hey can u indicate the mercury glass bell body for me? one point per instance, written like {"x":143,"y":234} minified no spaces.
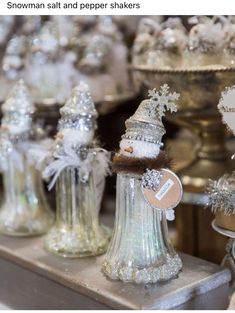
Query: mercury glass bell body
{"x":77,"y":231}
{"x":139,"y":251}
{"x":79,"y":168}
{"x":24,"y":211}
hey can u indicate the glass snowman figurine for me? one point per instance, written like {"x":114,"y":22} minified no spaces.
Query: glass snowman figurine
{"x":78,"y":168}
{"x":140,"y":250}
{"x":24,"y":211}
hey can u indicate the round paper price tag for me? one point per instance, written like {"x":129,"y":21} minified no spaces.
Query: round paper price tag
{"x":168,"y":193}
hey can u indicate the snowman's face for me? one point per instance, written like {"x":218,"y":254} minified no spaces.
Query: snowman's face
{"x":17,"y":127}
{"x":139,"y":149}
{"x":77,"y":137}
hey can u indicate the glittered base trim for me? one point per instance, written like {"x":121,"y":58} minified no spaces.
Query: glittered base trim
{"x":77,"y":243}
{"x":146,"y":275}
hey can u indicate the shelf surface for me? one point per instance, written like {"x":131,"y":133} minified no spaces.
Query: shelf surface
{"x":85,"y":277}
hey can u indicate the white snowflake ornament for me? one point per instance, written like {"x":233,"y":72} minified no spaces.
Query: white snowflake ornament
{"x":162,"y":101}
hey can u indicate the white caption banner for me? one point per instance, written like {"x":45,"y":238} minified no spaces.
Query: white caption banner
{"x":114,"y":7}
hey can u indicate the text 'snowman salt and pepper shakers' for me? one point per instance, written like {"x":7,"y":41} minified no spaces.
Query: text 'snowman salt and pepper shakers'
{"x":24,"y":211}
{"x":140,"y":250}
{"x":78,"y":168}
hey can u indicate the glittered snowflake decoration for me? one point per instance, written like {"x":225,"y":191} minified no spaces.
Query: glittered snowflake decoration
{"x":151,"y":179}
{"x":162,"y":101}
{"x":221,"y":194}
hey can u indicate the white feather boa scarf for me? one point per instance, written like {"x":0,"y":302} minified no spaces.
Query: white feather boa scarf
{"x":96,"y":162}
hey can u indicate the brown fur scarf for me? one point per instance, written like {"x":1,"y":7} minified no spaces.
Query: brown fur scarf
{"x":126,"y":164}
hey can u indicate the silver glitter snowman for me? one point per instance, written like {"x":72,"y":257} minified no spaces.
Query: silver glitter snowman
{"x":24,"y":211}
{"x":140,"y":251}
{"x":78,"y":169}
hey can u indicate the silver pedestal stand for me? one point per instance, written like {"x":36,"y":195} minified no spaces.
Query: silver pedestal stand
{"x":229,"y":259}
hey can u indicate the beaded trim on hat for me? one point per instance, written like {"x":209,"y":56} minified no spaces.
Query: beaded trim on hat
{"x":142,"y":131}
{"x":146,"y":123}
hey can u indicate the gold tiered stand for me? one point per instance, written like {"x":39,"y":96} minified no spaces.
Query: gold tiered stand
{"x":200,"y":91}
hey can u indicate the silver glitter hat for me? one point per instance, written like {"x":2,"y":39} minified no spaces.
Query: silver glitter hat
{"x":79,"y":111}
{"x":18,"y":108}
{"x":146,"y":123}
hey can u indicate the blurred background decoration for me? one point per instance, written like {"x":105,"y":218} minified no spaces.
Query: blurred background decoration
{"x":198,"y":62}
{"x":120,"y":58}
{"x":53,"y":53}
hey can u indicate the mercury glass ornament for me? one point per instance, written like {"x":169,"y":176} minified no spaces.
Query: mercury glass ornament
{"x":79,"y":170}
{"x":140,"y":250}
{"x":49,"y":68}
{"x":144,"y":41}
{"x":206,"y":41}
{"x":171,"y":42}
{"x":24,"y":211}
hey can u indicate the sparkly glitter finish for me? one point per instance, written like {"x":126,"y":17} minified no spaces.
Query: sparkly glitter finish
{"x":79,"y":169}
{"x":146,"y":123}
{"x":151,"y":179}
{"x":222,"y":194}
{"x":24,"y":211}
{"x":77,"y":232}
{"x":17,"y":110}
{"x":95,"y":54}
{"x":79,"y":111}
{"x":139,"y":251}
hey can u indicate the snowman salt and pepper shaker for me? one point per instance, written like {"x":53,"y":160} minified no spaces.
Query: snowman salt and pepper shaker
{"x":24,"y":211}
{"x":140,"y":251}
{"x":78,"y":168}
